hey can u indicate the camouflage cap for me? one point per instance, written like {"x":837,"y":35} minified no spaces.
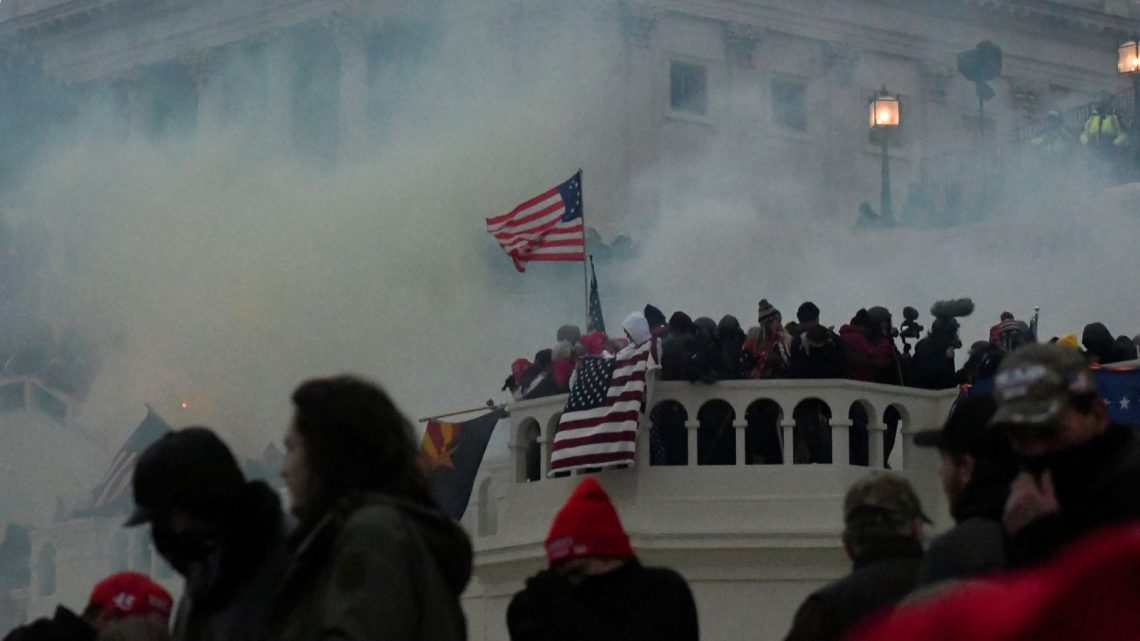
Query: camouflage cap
{"x":1034,"y":383}
{"x":883,"y":492}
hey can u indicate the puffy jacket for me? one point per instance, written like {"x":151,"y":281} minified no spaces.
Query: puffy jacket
{"x":865,"y":359}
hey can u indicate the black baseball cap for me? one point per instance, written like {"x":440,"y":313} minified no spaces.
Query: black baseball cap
{"x":966,"y":429}
{"x":190,"y":469}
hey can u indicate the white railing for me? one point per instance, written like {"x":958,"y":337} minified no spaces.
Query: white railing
{"x":534,"y":422}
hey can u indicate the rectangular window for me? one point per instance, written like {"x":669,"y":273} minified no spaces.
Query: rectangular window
{"x":789,"y":104}
{"x":688,"y":88}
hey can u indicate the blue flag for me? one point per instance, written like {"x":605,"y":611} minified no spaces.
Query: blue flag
{"x":1120,"y":389}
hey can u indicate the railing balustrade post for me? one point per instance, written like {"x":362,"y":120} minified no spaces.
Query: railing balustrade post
{"x":789,"y":433}
{"x":691,"y":427}
{"x":876,"y":429}
{"x":738,"y":428}
{"x":840,"y":443}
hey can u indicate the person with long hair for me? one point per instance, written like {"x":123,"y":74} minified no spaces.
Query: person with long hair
{"x":373,"y":555}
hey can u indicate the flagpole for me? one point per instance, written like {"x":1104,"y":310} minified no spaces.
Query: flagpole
{"x":488,"y":406}
{"x":585,"y":276}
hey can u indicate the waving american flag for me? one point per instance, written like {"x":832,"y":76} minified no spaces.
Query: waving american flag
{"x":546,"y":227}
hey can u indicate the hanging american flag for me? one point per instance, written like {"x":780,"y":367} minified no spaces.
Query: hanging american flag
{"x":546,"y":227}
{"x":112,"y":494}
{"x":598,"y":427}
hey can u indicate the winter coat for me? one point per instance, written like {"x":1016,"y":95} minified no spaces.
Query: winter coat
{"x":731,"y":360}
{"x":376,"y":567}
{"x":882,"y":576}
{"x":1098,"y":342}
{"x":932,"y":366}
{"x":631,"y":603}
{"x":976,"y":544}
{"x":817,"y":362}
{"x":229,"y":604}
{"x":865,"y":358}
{"x":1097,"y":484}
{"x":64,"y":626}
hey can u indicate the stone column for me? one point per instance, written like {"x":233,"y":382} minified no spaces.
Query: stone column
{"x":351,"y":41}
{"x":278,"y":112}
{"x":203,"y":67}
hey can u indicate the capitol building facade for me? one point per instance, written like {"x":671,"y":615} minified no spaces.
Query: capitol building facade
{"x":781,"y":85}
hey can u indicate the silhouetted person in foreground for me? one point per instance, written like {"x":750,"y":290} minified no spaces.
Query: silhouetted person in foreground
{"x":223,"y":534}
{"x":373,"y":557}
{"x":883,"y":537}
{"x":595,"y":588}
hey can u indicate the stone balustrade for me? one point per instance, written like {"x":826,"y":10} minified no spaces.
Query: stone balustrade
{"x":844,"y":402}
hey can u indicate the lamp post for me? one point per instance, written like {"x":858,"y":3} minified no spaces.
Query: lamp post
{"x":1128,"y":62}
{"x":885,"y":115}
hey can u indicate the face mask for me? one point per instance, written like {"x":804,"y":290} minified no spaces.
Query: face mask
{"x":182,"y":550}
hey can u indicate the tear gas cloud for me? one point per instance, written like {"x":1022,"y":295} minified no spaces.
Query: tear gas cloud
{"x":219,"y":270}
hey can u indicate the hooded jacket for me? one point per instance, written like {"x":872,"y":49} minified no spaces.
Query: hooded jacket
{"x":865,"y":359}
{"x":225,"y":599}
{"x":376,"y":567}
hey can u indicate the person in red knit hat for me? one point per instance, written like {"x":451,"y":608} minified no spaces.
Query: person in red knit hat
{"x":595,"y":588}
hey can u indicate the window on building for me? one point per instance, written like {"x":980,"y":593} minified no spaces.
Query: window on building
{"x":789,"y":104}
{"x":688,"y":88}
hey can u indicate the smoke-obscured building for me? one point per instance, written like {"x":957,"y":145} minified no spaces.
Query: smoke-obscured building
{"x":774,"y":90}
{"x":780,"y":86}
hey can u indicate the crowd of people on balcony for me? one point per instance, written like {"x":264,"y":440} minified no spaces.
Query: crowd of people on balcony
{"x":867,"y":348}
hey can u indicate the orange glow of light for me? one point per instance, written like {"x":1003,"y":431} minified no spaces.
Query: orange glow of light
{"x":184,"y":405}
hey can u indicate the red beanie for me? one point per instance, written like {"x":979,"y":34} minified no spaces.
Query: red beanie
{"x":129,"y":594}
{"x":587,"y":525}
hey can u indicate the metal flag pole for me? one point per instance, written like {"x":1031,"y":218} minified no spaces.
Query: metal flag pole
{"x":585,"y":276}
{"x":490,"y":405}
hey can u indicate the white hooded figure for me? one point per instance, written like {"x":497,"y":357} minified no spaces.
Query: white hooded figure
{"x":636,"y":328}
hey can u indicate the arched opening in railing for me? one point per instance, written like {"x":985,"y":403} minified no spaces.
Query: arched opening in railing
{"x":668,"y":436}
{"x":716,"y":436}
{"x":529,"y":451}
{"x":812,"y":433}
{"x":762,"y":441}
{"x":897,"y":420}
{"x":859,"y":439}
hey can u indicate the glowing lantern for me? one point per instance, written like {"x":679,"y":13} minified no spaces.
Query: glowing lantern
{"x":1128,"y":56}
{"x":884,"y":110}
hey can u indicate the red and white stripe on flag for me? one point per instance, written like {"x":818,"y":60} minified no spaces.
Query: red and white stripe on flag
{"x":546,"y":227}
{"x":602,"y":431}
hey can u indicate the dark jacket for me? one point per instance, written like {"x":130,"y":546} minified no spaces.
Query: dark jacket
{"x":976,"y":544}
{"x":631,"y":603}
{"x":882,"y":576}
{"x":1097,"y":484}
{"x":817,"y":362}
{"x":932,"y":366}
{"x":64,"y":626}
{"x":225,"y":599}
{"x":376,"y":567}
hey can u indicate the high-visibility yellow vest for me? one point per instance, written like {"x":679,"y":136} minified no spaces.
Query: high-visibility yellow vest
{"x":1102,"y":128}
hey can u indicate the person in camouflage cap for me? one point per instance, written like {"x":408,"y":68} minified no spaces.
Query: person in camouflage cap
{"x":1080,"y":472}
{"x":882,"y":535}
